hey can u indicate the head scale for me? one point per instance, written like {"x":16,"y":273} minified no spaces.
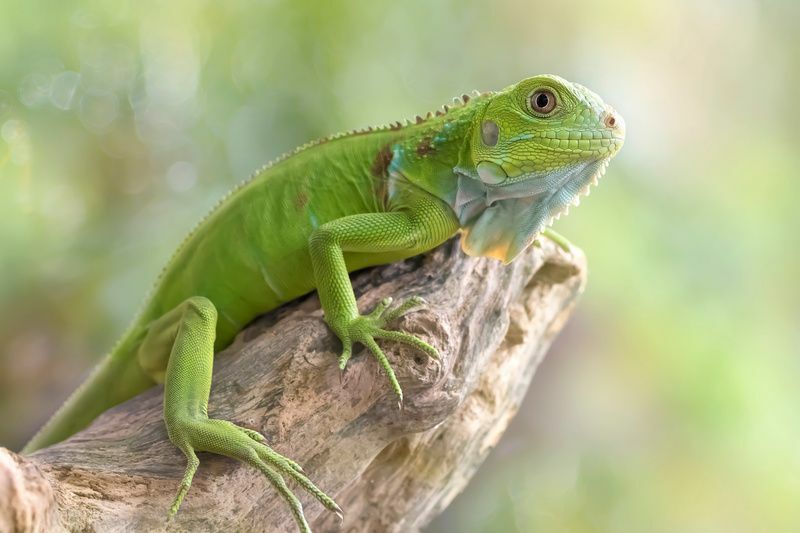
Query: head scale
{"x":534,"y":149}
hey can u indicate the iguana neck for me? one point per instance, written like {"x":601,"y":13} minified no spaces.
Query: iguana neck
{"x":431,"y":149}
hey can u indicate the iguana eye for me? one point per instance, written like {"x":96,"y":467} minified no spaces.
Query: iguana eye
{"x":543,"y":101}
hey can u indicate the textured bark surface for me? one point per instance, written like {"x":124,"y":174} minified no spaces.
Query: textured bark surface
{"x":389,"y":469}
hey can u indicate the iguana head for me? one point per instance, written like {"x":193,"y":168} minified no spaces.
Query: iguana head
{"x":535,"y":148}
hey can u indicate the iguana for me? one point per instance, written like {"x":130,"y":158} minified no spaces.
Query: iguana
{"x":497,"y":167}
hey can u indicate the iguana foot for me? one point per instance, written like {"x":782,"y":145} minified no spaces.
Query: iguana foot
{"x":193,"y":434}
{"x":366,"y":328}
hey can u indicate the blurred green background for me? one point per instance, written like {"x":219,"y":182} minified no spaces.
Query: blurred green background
{"x":669,"y":403}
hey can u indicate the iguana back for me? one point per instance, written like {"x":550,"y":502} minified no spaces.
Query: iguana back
{"x":251,"y":254}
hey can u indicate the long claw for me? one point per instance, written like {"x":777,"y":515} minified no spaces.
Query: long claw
{"x":255,"y":435}
{"x":380,"y":308}
{"x":273,"y":458}
{"x":410,"y":340}
{"x":347,"y":351}
{"x":191,"y":467}
{"x":381,"y":357}
{"x":307,"y":484}
{"x":280,"y":484}
{"x":403,"y":308}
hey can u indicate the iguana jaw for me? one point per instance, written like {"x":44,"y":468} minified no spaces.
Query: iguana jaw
{"x":571,"y":196}
{"x":591,"y":179}
{"x":501,"y":221}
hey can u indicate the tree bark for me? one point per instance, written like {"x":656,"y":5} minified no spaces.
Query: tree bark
{"x":390,"y":469}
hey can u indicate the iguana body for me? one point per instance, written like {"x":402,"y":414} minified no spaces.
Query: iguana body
{"x":496,"y":167}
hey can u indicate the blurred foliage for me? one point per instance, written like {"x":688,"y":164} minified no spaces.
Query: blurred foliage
{"x":670,"y":401}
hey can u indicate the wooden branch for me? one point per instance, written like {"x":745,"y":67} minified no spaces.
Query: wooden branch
{"x":389,"y":469}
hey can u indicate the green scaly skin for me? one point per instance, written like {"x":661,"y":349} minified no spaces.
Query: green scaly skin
{"x":497,"y":167}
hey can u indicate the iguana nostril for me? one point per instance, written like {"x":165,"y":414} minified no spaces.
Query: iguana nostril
{"x":610,"y":120}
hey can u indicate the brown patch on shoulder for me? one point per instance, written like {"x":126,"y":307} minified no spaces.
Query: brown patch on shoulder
{"x":301,"y":200}
{"x":380,"y":166}
{"x":380,"y":190}
{"x":425,"y":147}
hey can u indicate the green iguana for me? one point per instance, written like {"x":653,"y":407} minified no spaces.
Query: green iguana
{"x":497,"y":167}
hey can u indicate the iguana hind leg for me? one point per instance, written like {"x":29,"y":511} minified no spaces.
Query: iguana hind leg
{"x":179,"y":350}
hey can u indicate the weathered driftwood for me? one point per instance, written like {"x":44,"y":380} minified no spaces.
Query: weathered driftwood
{"x":389,"y":469}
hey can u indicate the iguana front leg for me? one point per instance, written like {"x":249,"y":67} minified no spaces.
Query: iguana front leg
{"x":419,"y":224}
{"x":178,"y":350}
